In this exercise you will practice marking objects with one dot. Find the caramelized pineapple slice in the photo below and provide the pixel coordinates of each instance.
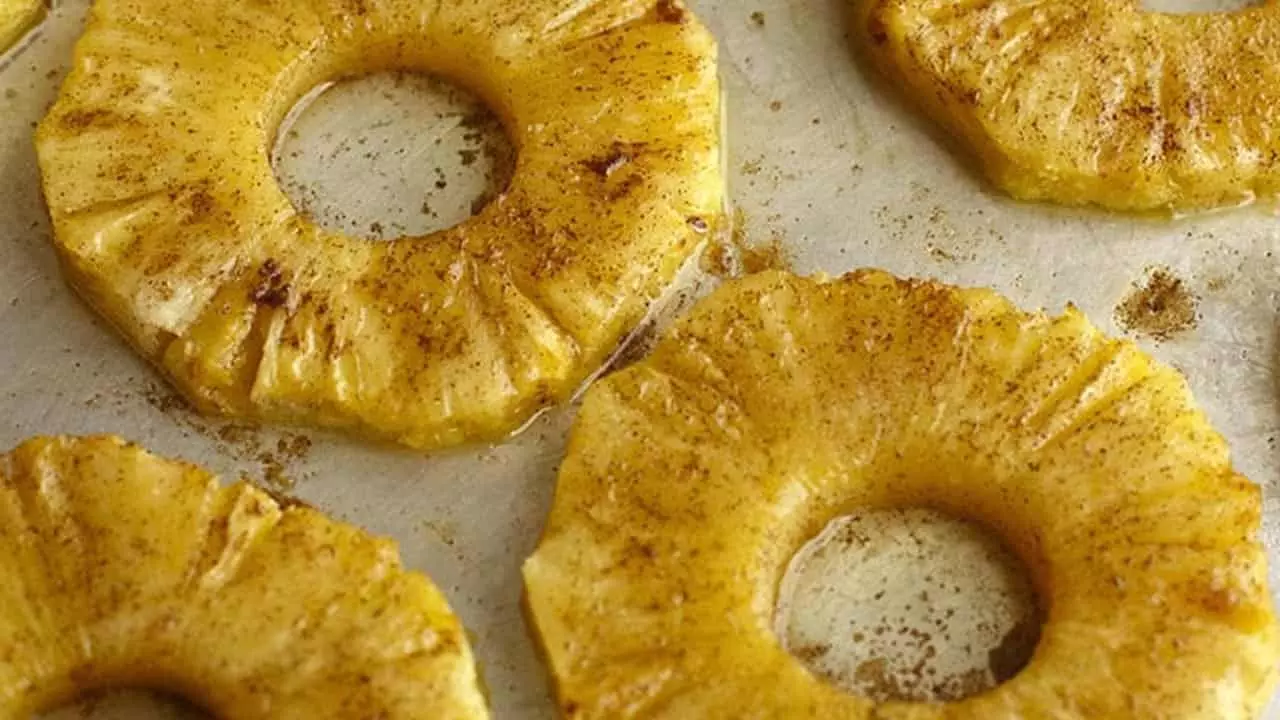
(125, 569)
(1097, 102)
(779, 403)
(168, 218)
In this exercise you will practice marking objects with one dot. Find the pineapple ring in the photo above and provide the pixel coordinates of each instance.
(122, 568)
(1097, 102)
(16, 18)
(169, 220)
(780, 402)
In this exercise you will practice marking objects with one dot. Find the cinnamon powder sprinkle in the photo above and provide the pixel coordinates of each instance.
(1161, 307)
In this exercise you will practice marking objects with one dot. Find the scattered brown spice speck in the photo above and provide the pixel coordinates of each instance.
(237, 434)
(1015, 649)
(757, 18)
(671, 11)
(1161, 308)
(769, 256)
(271, 289)
(876, 28)
(285, 500)
(163, 399)
(609, 163)
(873, 678)
(635, 347)
(732, 254)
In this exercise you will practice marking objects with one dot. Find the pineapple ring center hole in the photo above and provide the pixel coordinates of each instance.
(127, 705)
(391, 155)
(908, 605)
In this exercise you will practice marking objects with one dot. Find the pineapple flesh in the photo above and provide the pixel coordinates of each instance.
(781, 402)
(125, 569)
(16, 18)
(1097, 102)
(169, 221)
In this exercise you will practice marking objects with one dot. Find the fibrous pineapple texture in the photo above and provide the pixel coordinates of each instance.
(124, 569)
(780, 402)
(16, 18)
(169, 220)
(1098, 102)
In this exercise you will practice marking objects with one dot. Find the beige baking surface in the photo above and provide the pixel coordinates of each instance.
(823, 159)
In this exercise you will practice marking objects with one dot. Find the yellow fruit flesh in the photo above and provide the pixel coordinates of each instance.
(169, 221)
(779, 403)
(124, 569)
(1098, 102)
(16, 18)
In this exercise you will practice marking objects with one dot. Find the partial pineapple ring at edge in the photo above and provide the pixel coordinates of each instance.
(16, 18)
(124, 569)
(780, 402)
(169, 220)
(1095, 102)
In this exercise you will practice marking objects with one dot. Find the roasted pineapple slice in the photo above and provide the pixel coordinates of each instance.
(169, 221)
(16, 18)
(1096, 102)
(121, 568)
(779, 403)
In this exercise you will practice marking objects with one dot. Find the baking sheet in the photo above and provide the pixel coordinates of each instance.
(824, 161)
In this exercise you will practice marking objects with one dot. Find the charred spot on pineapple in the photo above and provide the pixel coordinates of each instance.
(209, 580)
(671, 11)
(17, 17)
(779, 402)
(952, 602)
(168, 216)
(1094, 108)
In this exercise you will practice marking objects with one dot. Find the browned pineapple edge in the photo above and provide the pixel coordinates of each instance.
(16, 18)
(781, 402)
